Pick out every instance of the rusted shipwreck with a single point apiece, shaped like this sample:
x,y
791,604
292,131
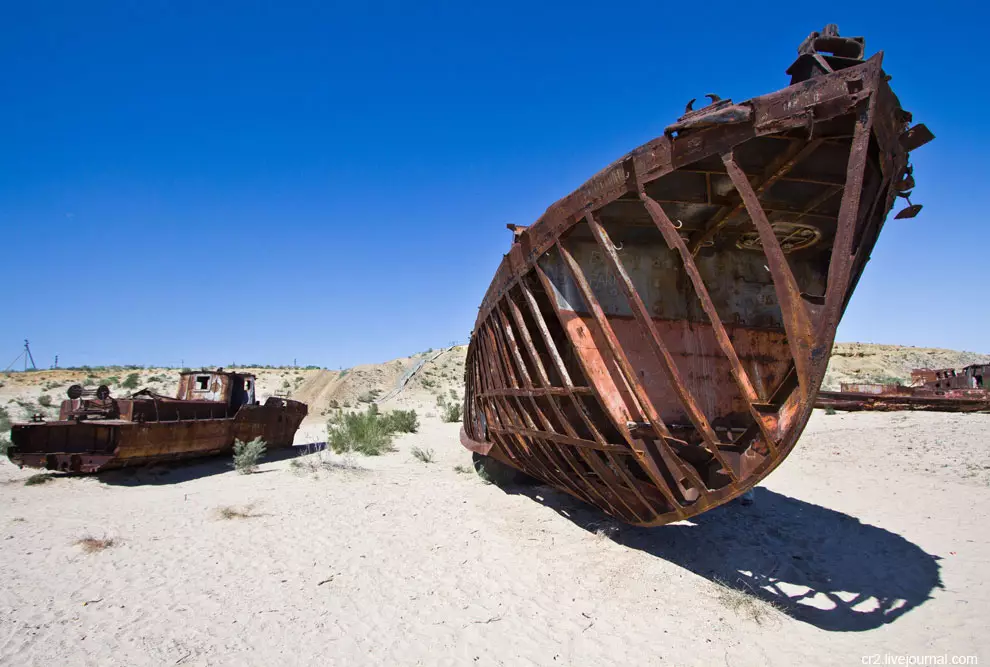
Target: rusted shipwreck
x,y
931,390
211,409
654,343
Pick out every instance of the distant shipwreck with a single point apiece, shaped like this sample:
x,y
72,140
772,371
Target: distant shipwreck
x,y
655,342
931,390
211,409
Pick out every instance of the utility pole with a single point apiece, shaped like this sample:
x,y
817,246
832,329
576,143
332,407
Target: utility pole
x,y
28,356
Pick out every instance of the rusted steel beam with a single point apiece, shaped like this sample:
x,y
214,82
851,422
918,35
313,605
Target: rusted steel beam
x,y
739,374
540,467
544,382
794,153
841,266
612,481
538,391
549,460
800,333
758,178
629,375
651,334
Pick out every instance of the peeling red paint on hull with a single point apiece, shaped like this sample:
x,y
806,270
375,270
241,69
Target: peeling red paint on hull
x,y
654,343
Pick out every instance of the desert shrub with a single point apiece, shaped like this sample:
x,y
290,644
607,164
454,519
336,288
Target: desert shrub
x,y
424,455
92,545
449,411
247,454
426,382
369,396
111,381
463,469
368,432
130,382
40,478
230,512
286,385
157,378
89,382
402,421
45,401
829,410
4,420
334,404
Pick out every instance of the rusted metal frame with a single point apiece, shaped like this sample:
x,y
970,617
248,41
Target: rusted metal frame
x,y
481,381
650,332
508,337
739,374
496,418
614,484
541,455
800,333
795,179
818,201
786,211
544,380
791,156
508,341
537,391
840,266
565,439
659,428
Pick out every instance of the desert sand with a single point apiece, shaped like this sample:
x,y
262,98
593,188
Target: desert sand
x,y
870,540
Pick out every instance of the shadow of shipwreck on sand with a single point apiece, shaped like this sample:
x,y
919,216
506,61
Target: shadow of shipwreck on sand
x,y
817,565
183,471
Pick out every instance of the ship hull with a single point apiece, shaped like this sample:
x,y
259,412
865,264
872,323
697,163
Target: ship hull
x,y
93,446
654,343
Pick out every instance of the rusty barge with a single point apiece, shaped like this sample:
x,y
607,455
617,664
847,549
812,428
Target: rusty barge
x,y
211,410
931,390
654,343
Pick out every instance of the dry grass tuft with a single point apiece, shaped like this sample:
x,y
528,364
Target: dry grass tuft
x,y
424,455
229,512
92,545
463,469
40,478
320,461
745,604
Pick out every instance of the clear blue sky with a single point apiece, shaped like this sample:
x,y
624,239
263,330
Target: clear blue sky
x,y
217,182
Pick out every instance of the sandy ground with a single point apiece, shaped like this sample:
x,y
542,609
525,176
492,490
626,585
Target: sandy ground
x,y
871,539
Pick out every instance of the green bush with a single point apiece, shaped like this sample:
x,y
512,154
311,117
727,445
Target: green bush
x,y
111,381
402,421
369,432
4,420
449,412
363,432
45,401
131,381
247,454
